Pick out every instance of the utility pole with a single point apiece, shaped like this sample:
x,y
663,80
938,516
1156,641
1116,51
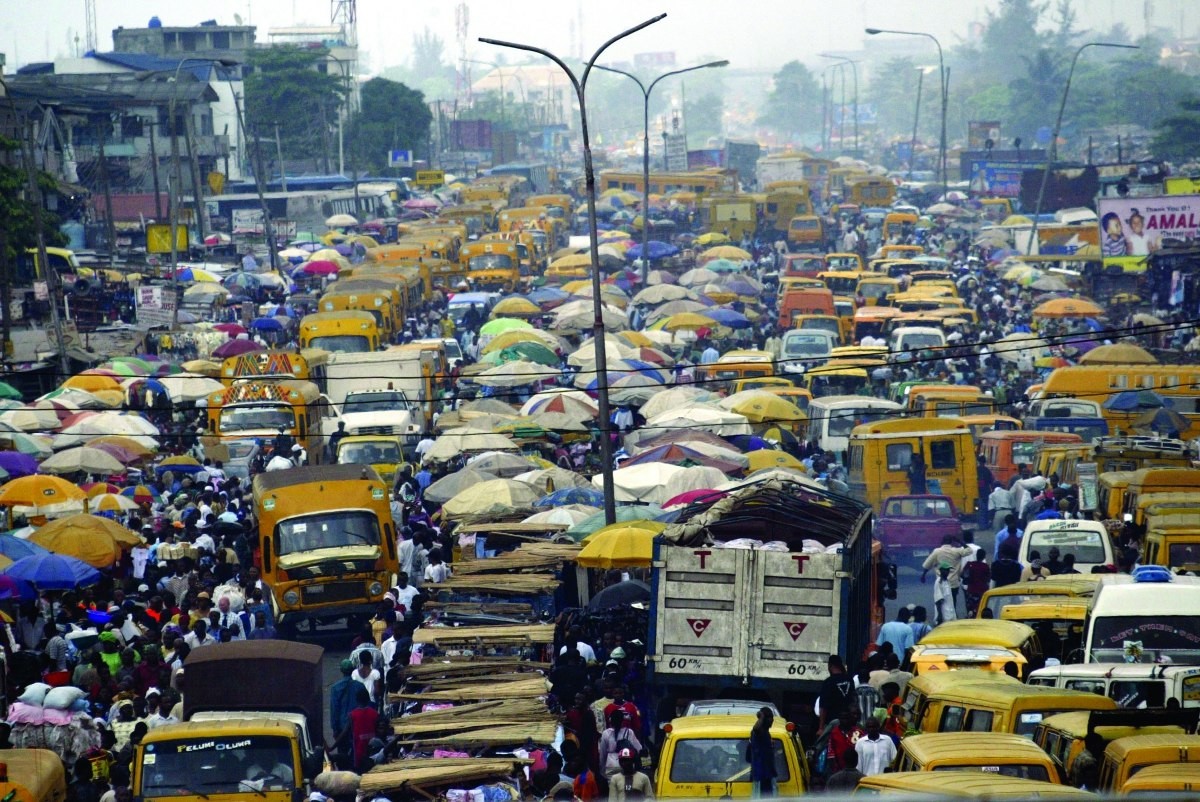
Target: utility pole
x,y
189,135
176,186
912,147
279,154
154,174
51,274
111,228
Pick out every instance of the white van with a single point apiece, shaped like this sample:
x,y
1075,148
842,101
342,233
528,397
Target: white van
x,y
1089,541
1128,684
915,338
804,349
1149,616
832,417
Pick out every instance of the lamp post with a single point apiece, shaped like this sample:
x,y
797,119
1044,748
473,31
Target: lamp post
x,y
1052,151
580,84
344,74
646,90
842,60
842,110
945,87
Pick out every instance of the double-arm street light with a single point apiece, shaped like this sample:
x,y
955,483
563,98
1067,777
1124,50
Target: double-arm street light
x,y
646,90
842,61
580,84
1052,151
945,89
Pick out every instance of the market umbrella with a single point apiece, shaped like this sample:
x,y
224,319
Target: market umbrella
x,y
341,221
515,374
90,383
486,406
16,548
96,540
10,392
452,484
122,455
585,355
634,514
701,417
723,252
516,307
493,497
533,352
712,238
112,502
641,483
1124,401
14,463
654,248
662,293
181,463
769,458
140,444
451,445
505,465
697,277
1012,347
183,387
573,403
36,446
689,321
51,571
1162,420
762,407
617,547
564,516
236,348
677,454
1068,307
501,325
142,494
1144,319
1050,284
1111,354
83,460
571,495
692,497
634,388
39,491
319,267
725,317
547,480
232,329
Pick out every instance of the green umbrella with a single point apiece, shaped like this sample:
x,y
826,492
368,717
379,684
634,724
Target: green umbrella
x,y
631,512
503,324
8,391
26,444
723,266
534,352
10,403
305,236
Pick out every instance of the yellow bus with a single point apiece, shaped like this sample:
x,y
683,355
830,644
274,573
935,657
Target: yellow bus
x,y
1180,384
881,453
492,265
783,204
381,304
702,182
306,365
340,331
260,410
327,540
871,190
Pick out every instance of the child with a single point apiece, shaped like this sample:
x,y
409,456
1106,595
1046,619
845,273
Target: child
x,y
943,597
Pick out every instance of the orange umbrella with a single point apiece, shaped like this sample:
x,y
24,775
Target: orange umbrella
x,y
1068,307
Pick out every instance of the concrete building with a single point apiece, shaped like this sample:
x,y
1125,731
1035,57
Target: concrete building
x,y
208,39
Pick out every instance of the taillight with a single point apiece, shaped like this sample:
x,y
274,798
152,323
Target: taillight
x,y
282,574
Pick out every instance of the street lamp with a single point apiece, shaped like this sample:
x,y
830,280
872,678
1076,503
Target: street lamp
x,y
945,87
646,90
580,84
841,125
842,60
1052,151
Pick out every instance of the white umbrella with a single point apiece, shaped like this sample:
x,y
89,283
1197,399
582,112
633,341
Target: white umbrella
x,y
501,464
697,277
113,423
673,398
661,293
565,516
614,349
189,386
449,446
205,289
82,460
641,483
698,477
30,419
575,403
515,374
547,480
703,418
341,221
579,316
493,497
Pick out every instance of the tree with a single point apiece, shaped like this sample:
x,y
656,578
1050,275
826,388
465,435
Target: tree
x,y
794,104
286,89
392,117
703,116
1177,138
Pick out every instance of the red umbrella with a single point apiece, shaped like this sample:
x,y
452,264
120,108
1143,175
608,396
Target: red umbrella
x,y
321,267
98,488
693,496
236,348
232,329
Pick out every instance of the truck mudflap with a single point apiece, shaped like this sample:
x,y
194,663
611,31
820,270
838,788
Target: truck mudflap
x,y
755,616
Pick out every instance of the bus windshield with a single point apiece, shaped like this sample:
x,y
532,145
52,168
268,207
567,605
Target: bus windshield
x,y
842,421
258,416
370,453
805,345
1117,638
218,765
490,261
327,530
374,402
353,343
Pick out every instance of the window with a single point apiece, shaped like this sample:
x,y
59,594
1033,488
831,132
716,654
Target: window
x,y
952,719
1137,694
899,455
979,721
720,760
856,453
1095,686
942,455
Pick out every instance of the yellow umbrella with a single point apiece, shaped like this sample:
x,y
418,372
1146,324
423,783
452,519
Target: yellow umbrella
x,y
39,490
761,407
576,286
1021,273
712,238
1118,354
366,240
731,252
618,547
1017,220
95,540
92,382
110,398
1068,307
516,307
767,458
205,367
111,502
688,321
636,339
572,260
137,446
650,526
508,338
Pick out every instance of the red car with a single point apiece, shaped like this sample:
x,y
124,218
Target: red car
x,y
909,527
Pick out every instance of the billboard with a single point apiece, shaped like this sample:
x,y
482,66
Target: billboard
x,y
980,131
996,179
1133,228
470,135
701,159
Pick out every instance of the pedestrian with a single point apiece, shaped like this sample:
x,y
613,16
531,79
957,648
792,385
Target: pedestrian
x,y
897,632
630,785
977,577
617,739
920,624
760,754
943,597
1035,571
1005,568
842,738
368,676
359,729
917,485
952,552
875,751
836,690
845,780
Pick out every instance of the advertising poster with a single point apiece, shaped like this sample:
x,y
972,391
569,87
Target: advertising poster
x,y
1133,228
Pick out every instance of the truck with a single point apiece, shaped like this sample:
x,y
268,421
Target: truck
x,y
385,392
725,620
252,717
910,527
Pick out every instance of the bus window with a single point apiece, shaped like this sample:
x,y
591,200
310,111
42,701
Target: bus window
x,y
941,455
899,455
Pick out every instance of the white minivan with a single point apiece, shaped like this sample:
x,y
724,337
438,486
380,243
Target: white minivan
x,y
1149,616
907,339
1088,541
805,349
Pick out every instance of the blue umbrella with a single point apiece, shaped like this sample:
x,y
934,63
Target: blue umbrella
x,y
547,295
728,318
53,572
656,248
14,548
17,464
572,495
266,324
1132,400
243,280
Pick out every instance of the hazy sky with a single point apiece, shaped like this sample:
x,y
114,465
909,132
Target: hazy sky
x,y
754,34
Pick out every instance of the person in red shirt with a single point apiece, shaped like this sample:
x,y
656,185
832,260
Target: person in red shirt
x,y
633,717
842,738
360,729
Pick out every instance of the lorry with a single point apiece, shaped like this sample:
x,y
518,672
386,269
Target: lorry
x,y
32,775
385,392
727,621
252,717
910,527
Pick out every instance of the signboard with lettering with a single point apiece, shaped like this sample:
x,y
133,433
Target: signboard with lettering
x,y
158,238
155,306
677,157
1086,475
1133,228
430,178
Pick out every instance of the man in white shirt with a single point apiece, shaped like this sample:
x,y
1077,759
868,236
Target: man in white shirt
x,y
228,618
423,447
575,636
404,593
199,636
875,752
709,355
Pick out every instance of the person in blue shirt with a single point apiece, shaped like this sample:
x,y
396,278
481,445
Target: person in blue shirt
x,y
898,633
1010,530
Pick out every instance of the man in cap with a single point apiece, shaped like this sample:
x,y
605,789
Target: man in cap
x,y
629,784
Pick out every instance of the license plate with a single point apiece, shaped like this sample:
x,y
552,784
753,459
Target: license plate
x,y
314,590
922,552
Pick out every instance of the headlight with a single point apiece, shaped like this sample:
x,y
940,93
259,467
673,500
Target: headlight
x,y
291,598
375,589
